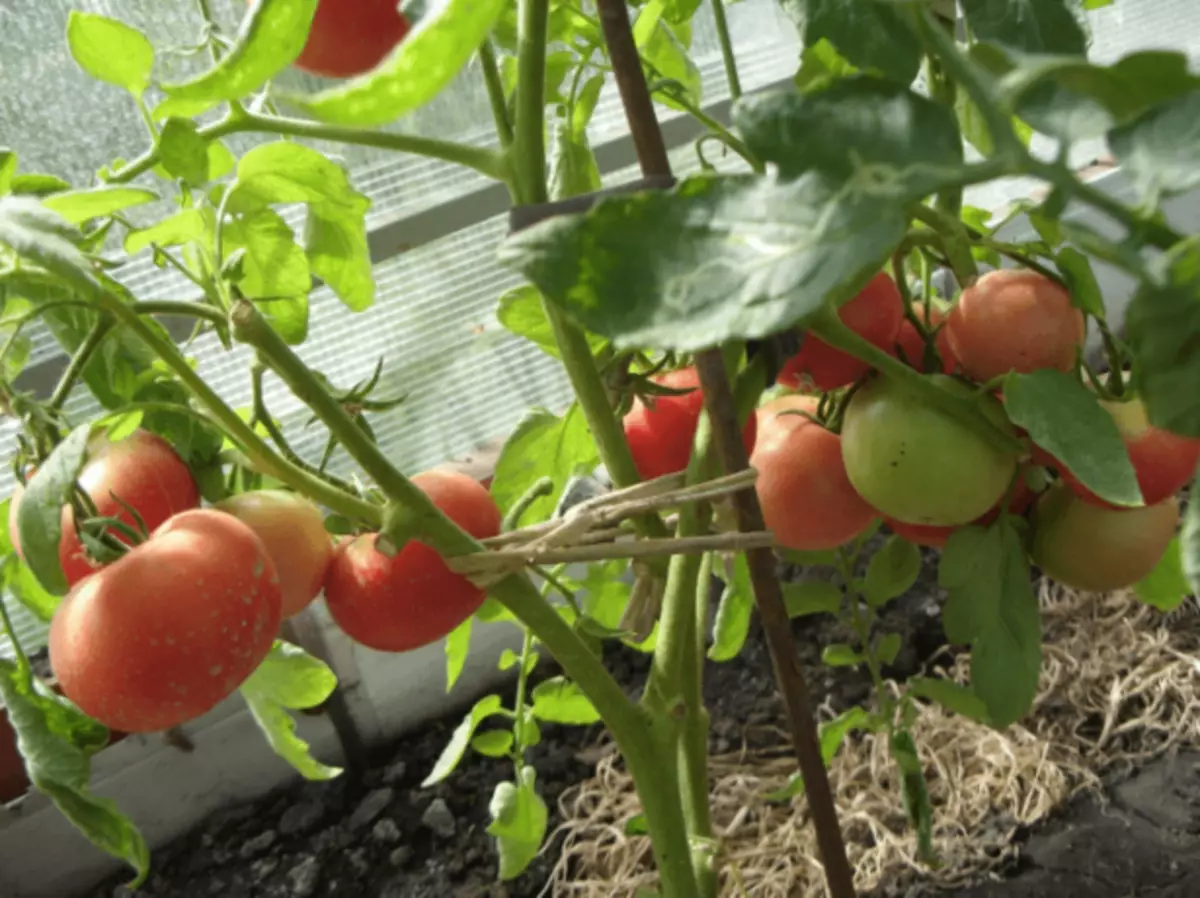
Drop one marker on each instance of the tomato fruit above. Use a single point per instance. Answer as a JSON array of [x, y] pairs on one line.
[[1014, 320], [350, 37], [167, 631], [937, 537], [143, 471], [875, 314], [918, 465], [1163, 461], [806, 497], [910, 348], [293, 530], [412, 599], [661, 429], [1099, 549]]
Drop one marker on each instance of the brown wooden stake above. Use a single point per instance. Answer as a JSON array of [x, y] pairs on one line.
[[718, 400]]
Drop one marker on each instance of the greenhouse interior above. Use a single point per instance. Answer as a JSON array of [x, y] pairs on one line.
[[587, 448]]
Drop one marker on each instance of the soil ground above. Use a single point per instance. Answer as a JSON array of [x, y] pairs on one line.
[[378, 834]]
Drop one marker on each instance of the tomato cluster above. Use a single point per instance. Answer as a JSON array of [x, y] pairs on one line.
[[176, 623]]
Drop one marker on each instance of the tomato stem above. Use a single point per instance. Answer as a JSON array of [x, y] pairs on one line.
[[495, 90], [728, 59], [79, 359]]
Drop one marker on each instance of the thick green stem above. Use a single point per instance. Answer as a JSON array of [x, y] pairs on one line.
[[79, 361], [693, 740], [529, 138], [495, 91], [727, 57], [180, 308]]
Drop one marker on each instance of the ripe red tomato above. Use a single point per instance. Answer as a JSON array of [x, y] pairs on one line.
[[1014, 320], [350, 37], [412, 599], [918, 465], [937, 537], [875, 314], [293, 530], [910, 348], [1164, 462], [660, 437], [143, 471], [806, 497], [1099, 549], [167, 631]]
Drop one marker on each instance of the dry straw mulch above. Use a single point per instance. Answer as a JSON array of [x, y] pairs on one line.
[[1118, 687]]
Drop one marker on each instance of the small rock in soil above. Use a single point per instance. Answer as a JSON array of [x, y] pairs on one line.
[[439, 819], [370, 808], [304, 877], [400, 856], [258, 844], [301, 817], [386, 831], [263, 867], [358, 861], [394, 773]]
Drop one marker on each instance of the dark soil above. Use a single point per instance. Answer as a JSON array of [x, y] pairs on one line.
[[378, 834]]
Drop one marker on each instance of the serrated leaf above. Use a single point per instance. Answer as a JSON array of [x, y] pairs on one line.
[[77, 206], [811, 597], [110, 51], [289, 679], [1032, 26], [274, 264], [493, 743], [182, 227], [521, 312], [42, 236], [441, 42], [1066, 419], [458, 647], [892, 571], [732, 622], [39, 518], [1167, 585], [338, 253], [665, 55], [453, 753], [558, 700], [183, 152], [871, 134], [870, 35], [951, 696], [519, 819], [543, 445], [715, 259]]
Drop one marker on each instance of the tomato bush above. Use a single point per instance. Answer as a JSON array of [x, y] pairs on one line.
[[164, 633]]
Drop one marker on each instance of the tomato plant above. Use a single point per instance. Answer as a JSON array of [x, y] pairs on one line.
[[163, 634]]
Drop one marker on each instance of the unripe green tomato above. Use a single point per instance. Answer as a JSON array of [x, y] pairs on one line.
[[914, 463]]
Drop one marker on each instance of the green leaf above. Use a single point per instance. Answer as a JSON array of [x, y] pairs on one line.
[[441, 42], [950, 695], [39, 518], [289, 679], [1066, 419], [493, 743], [992, 606], [558, 700], [521, 312], [453, 753], [336, 244], [1158, 149], [38, 185], [832, 734], [57, 741], [15, 343], [1031, 26], [182, 227], [840, 655], [605, 594], [715, 259], [892, 571], [974, 129], [1189, 540], [820, 65], [42, 236], [811, 597], [732, 622], [870, 35], [1163, 327], [573, 169], [519, 818], [274, 264], [78, 206], [665, 56], [18, 579], [914, 792], [271, 37], [887, 647], [1167, 585], [8, 168], [110, 51], [183, 153], [813, 558], [458, 647], [585, 103], [543, 445], [1081, 281], [876, 135]]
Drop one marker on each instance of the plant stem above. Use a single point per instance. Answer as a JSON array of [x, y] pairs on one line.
[[79, 361], [495, 91], [529, 141], [693, 739], [487, 162], [954, 240], [727, 56], [720, 132], [184, 309]]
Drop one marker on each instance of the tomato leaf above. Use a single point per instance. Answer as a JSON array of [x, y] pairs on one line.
[[1066, 419], [521, 312], [16, 577], [892, 571], [1081, 281], [865, 131], [1167, 585], [991, 605], [493, 743], [951, 696], [273, 264], [543, 445], [338, 253], [1032, 26], [732, 622], [57, 741], [840, 655], [887, 647], [271, 37], [666, 57], [182, 227], [820, 65], [573, 168], [519, 819], [453, 753], [110, 51], [558, 700], [832, 734], [441, 42], [869, 35], [39, 518], [77, 206], [458, 647], [289, 678], [811, 597], [1163, 326], [1157, 148], [183, 153], [41, 235], [914, 792], [715, 259]]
